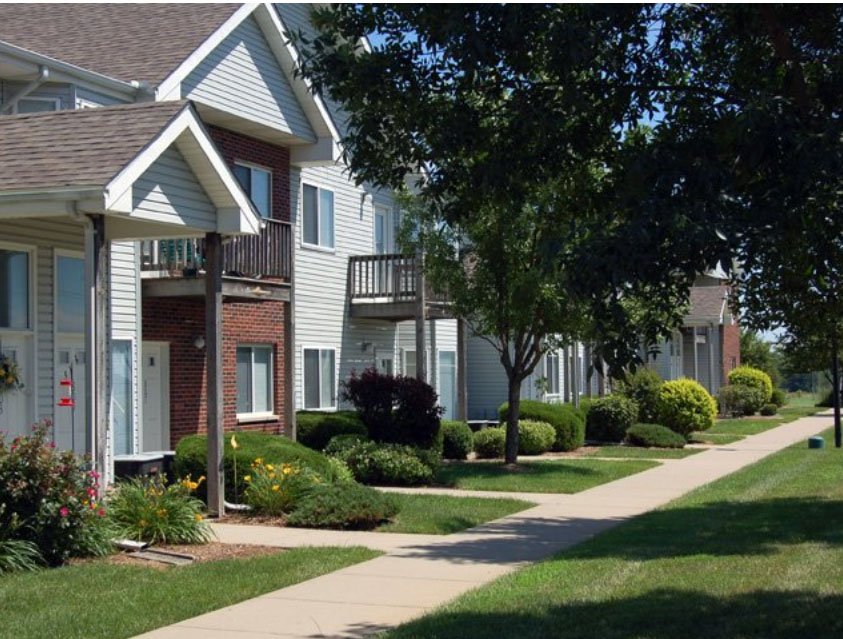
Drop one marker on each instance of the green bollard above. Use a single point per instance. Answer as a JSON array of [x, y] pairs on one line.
[[816, 442]]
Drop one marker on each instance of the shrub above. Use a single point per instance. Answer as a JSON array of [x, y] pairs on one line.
[[610, 417], [315, 429], [191, 457], [685, 406], [338, 472], [273, 490], [753, 377], [49, 499], [17, 555], [779, 397], [741, 400], [340, 443], [343, 507], [642, 386], [566, 420], [489, 443], [147, 509], [654, 436], [582, 410], [457, 440], [395, 409], [768, 410], [386, 464], [535, 438]]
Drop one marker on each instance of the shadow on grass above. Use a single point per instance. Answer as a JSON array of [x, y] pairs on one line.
[[658, 614], [453, 473]]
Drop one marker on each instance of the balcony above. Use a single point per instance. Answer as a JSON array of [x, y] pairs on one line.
[[254, 266], [385, 287]]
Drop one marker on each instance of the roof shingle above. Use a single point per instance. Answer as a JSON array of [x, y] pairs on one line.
[[143, 42], [79, 148], [706, 302]]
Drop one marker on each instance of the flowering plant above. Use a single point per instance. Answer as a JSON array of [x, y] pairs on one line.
[[272, 490]]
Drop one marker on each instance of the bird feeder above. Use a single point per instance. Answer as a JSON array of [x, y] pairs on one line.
[[67, 401]]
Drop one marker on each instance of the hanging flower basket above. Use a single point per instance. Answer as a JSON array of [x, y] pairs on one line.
[[10, 377]]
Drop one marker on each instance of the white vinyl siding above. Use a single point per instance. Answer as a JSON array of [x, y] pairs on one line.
[[241, 76]]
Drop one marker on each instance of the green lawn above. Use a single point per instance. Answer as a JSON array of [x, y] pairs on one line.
[[443, 515], [707, 437], [756, 555], [753, 426], [569, 476], [634, 452], [100, 600]]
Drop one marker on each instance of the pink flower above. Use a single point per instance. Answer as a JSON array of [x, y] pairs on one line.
[[63, 511], [101, 512], [91, 492]]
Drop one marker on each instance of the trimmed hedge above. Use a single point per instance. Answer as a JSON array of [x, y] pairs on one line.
[[490, 443], [340, 443], [191, 457], [610, 417], [768, 410], [343, 507], [535, 438], [389, 464], [315, 429], [653, 436], [685, 406], [567, 421], [779, 397], [741, 400], [753, 377], [457, 439], [642, 386]]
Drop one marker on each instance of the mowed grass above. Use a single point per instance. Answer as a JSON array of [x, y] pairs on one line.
[[756, 555], [101, 600], [443, 514], [754, 425], [707, 437], [634, 452], [569, 476]]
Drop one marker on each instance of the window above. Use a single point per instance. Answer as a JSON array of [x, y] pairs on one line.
[[410, 363], [14, 289], [551, 372], [318, 216], [36, 105], [121, 396], [70, 294], [257, 183], [254, 380], [319, 382]]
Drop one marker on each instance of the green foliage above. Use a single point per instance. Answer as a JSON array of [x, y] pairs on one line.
[[768, 410], [343, 507], [275, 489], [315, 429], [685, 406], [654, 436], [340, 443], [535, 438], [191, 457], [49, 498], [18, 555], [741, 401], [387, 464], [779, 397], [583, 408], [758, 353], [567, 421], [147, 509], [754, 378], [610, 417], [642, 386], [458, 440], [338, 472], [489, 443]]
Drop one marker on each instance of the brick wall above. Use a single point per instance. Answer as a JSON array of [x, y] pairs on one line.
[[730, 338]]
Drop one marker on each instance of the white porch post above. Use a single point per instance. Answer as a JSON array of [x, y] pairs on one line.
[[709, 338], [96, 346], [213, 354], [462, 371], [575, 374], [696, 354]]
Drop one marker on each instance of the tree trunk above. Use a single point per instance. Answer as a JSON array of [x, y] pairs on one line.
[[511, 453], [835, 384]]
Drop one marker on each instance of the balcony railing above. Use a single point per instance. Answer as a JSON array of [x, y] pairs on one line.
[[385, 278], [268, 254]]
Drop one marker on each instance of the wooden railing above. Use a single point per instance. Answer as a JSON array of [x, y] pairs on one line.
[[391, 277], [268, 254]]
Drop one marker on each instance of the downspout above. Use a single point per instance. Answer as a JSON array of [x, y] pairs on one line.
[[43, 75]]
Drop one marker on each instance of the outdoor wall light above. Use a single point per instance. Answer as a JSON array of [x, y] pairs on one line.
[[199, 342]]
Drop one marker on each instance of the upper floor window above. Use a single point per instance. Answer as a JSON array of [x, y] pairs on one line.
[[318, 216], [14, 289], [257, 183], [551, 372], [37, 105]]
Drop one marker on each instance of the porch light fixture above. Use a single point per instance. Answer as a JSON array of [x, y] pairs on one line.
[[199, 342]]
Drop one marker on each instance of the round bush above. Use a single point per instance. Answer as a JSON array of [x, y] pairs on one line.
[[753, 377], [779, 397], [489, 443], [457, 440], [685, 406], [642, 387], [741, 400], [340, 443], [386, 465], [315, 429], [610, 417], [534, 438], [343, 507], [768, 410], [567, 421], [653, 436]]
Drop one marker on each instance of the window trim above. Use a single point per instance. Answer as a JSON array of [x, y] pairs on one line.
[[304, 243], [32, 288], [257, 415], [253, 166], [320, 348]]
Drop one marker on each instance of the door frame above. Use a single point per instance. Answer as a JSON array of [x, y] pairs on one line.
[[165, 391]]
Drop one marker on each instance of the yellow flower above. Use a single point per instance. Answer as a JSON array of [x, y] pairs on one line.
[[272, 475], [286, 470], [198, 517], [161, 512], [234, 443], [259, 461], [276, 488], [142, 523], [270, 467], [247, 478]]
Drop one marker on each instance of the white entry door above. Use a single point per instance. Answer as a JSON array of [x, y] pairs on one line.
[[155, 373], [69, 422]]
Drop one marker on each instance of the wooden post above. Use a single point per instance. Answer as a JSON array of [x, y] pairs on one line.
[[290, 348], [575, 374], [566, 355], [462, 369], [835, 381], [213, 355], [421, 345], [588, 378]]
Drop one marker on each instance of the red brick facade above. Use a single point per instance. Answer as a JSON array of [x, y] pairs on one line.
[[730, 340], [179, 321]]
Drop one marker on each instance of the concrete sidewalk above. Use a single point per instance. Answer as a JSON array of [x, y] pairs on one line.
[[420, 572]]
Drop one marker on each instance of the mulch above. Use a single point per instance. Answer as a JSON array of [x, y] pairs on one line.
[[201, 553]]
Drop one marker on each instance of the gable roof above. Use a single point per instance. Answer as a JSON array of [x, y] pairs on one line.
[[707, 304], [114, 39]]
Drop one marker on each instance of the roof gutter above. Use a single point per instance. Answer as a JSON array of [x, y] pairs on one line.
[[41, 78]]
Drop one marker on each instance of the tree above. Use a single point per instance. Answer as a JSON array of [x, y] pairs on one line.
[[758, 353]]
